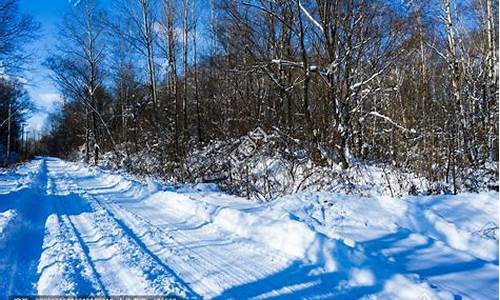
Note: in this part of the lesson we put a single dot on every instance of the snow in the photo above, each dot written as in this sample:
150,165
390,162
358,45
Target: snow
273,233
7,219
361,277
97,232
403,288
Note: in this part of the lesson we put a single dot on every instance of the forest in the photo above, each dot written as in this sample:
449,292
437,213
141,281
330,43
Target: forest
170,87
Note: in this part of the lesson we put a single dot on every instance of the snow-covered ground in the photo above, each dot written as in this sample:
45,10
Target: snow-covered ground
66,229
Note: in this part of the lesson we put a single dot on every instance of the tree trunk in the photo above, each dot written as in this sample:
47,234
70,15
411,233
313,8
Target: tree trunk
95,139
87,135
168,7
454,66
9,132
148,41
196,88
491,62
185,63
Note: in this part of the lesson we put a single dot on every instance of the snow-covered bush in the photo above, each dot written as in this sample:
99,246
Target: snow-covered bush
281,165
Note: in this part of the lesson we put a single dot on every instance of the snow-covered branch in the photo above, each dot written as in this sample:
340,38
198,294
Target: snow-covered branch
310,17
391,121
3,122
293,64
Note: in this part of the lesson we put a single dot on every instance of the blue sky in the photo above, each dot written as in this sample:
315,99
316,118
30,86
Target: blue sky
40,88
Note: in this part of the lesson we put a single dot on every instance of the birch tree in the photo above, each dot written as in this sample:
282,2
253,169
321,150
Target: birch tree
76,69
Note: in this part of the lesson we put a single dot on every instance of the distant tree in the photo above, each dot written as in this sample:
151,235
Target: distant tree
14,109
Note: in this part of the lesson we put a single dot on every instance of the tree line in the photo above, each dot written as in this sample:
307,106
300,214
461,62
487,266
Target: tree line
411,83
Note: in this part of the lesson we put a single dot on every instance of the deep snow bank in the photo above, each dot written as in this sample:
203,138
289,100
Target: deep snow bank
313,225
466,222
257,222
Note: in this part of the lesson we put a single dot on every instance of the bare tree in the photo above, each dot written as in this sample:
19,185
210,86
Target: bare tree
16,30
141,34
76,68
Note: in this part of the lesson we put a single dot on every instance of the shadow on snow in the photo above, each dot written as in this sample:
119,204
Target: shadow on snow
304,283
21,251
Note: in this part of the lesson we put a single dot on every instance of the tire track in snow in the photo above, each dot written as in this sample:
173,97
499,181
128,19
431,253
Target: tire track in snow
65,266
125,268
165,250
209,271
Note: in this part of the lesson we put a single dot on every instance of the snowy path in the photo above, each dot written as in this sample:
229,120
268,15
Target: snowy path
67,229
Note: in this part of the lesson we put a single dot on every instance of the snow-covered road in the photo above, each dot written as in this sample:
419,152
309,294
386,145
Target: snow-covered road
66,229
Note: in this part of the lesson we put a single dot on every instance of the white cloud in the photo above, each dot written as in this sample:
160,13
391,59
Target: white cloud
47,101
37,122
45,104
